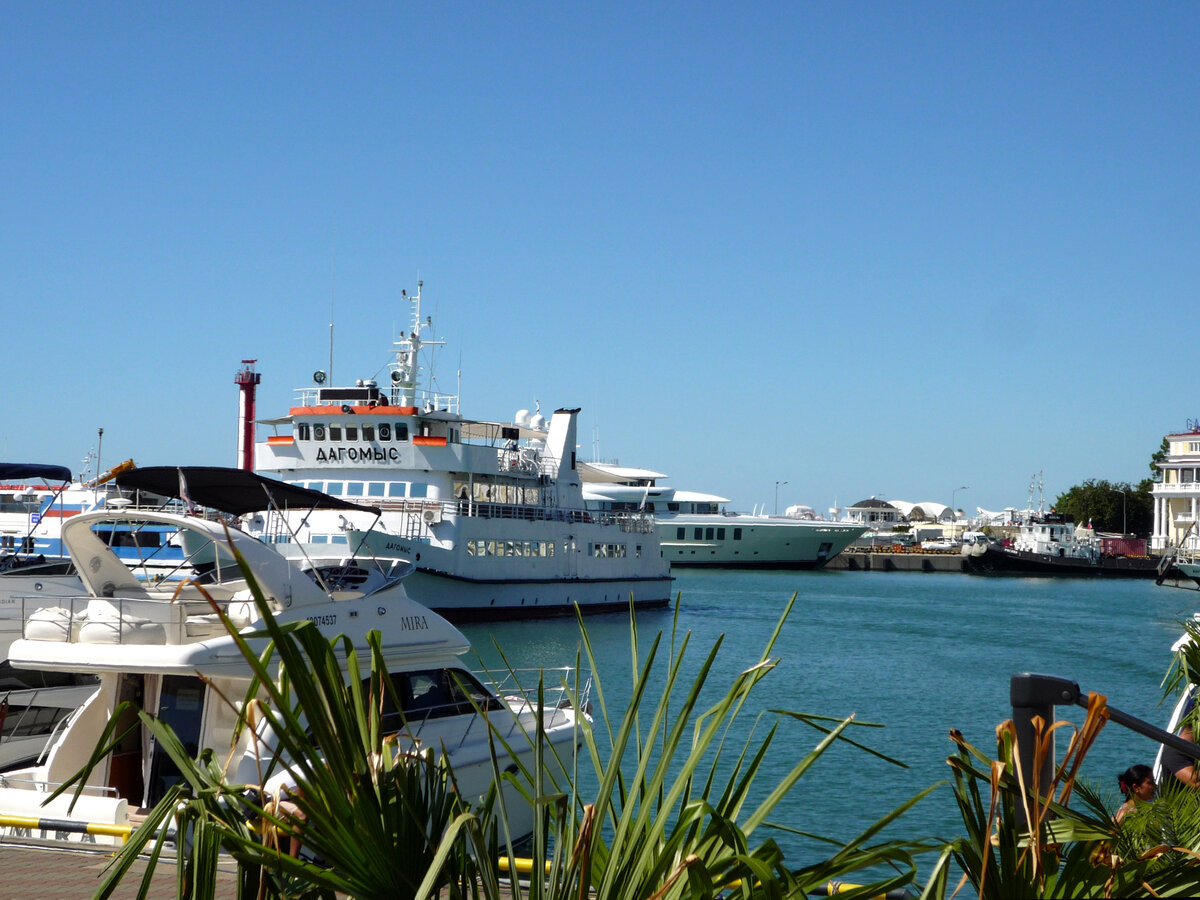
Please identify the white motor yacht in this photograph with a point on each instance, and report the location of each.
(161, 645)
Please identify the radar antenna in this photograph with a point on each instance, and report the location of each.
(406, 369)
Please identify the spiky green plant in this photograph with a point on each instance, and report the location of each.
(674, 813)
(679, 809)
(1024, 840)
(383, 821)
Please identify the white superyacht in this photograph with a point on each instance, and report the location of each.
(491, 513)
(695, 529)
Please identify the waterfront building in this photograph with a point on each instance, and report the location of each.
(874, 512)
(1177, 495)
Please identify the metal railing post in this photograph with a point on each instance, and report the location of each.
(1037, 695)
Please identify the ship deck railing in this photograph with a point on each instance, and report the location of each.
(180, 614)
(631, 521)
(425, 401)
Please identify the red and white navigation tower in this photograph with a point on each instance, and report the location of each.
(247, 380)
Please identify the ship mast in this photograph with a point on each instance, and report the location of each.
(406, 370)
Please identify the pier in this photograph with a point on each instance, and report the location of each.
(866, 559)
(49, 871)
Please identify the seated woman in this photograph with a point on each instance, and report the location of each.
(1138, 785)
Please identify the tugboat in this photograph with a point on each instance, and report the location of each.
(1050, 545)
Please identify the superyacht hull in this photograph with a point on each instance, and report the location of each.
(753, 542)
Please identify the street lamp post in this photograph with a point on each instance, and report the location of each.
(953, 508)
(777, 484)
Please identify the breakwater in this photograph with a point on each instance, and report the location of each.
(867, 560)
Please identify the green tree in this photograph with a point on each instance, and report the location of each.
(1110, 506)
(1159, 455)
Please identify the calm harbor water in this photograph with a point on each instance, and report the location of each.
(919, 653)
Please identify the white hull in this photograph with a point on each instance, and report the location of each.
(464, 572)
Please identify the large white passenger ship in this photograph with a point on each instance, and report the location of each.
(696, 529)
(491, 513)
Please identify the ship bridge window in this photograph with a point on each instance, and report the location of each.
(679, 533)
(316, 486)
(355, 488)
(352, 432)
(368, 432)
(401, 431)
(335, 433)
(397, 488)
(419, 490)
(375, 488)
(304, 432)
(334, 488)
(699, 534)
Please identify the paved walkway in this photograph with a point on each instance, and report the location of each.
(32, 872)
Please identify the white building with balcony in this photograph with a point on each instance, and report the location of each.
(874, 512)
(1177, 496)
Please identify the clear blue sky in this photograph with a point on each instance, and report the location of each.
(863, 248)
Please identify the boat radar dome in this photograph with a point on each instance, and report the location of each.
(538, 422)
(522, 417)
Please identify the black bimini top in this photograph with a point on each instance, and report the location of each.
(24, 471)
(235, 491)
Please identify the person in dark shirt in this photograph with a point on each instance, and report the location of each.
(1178, 763)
